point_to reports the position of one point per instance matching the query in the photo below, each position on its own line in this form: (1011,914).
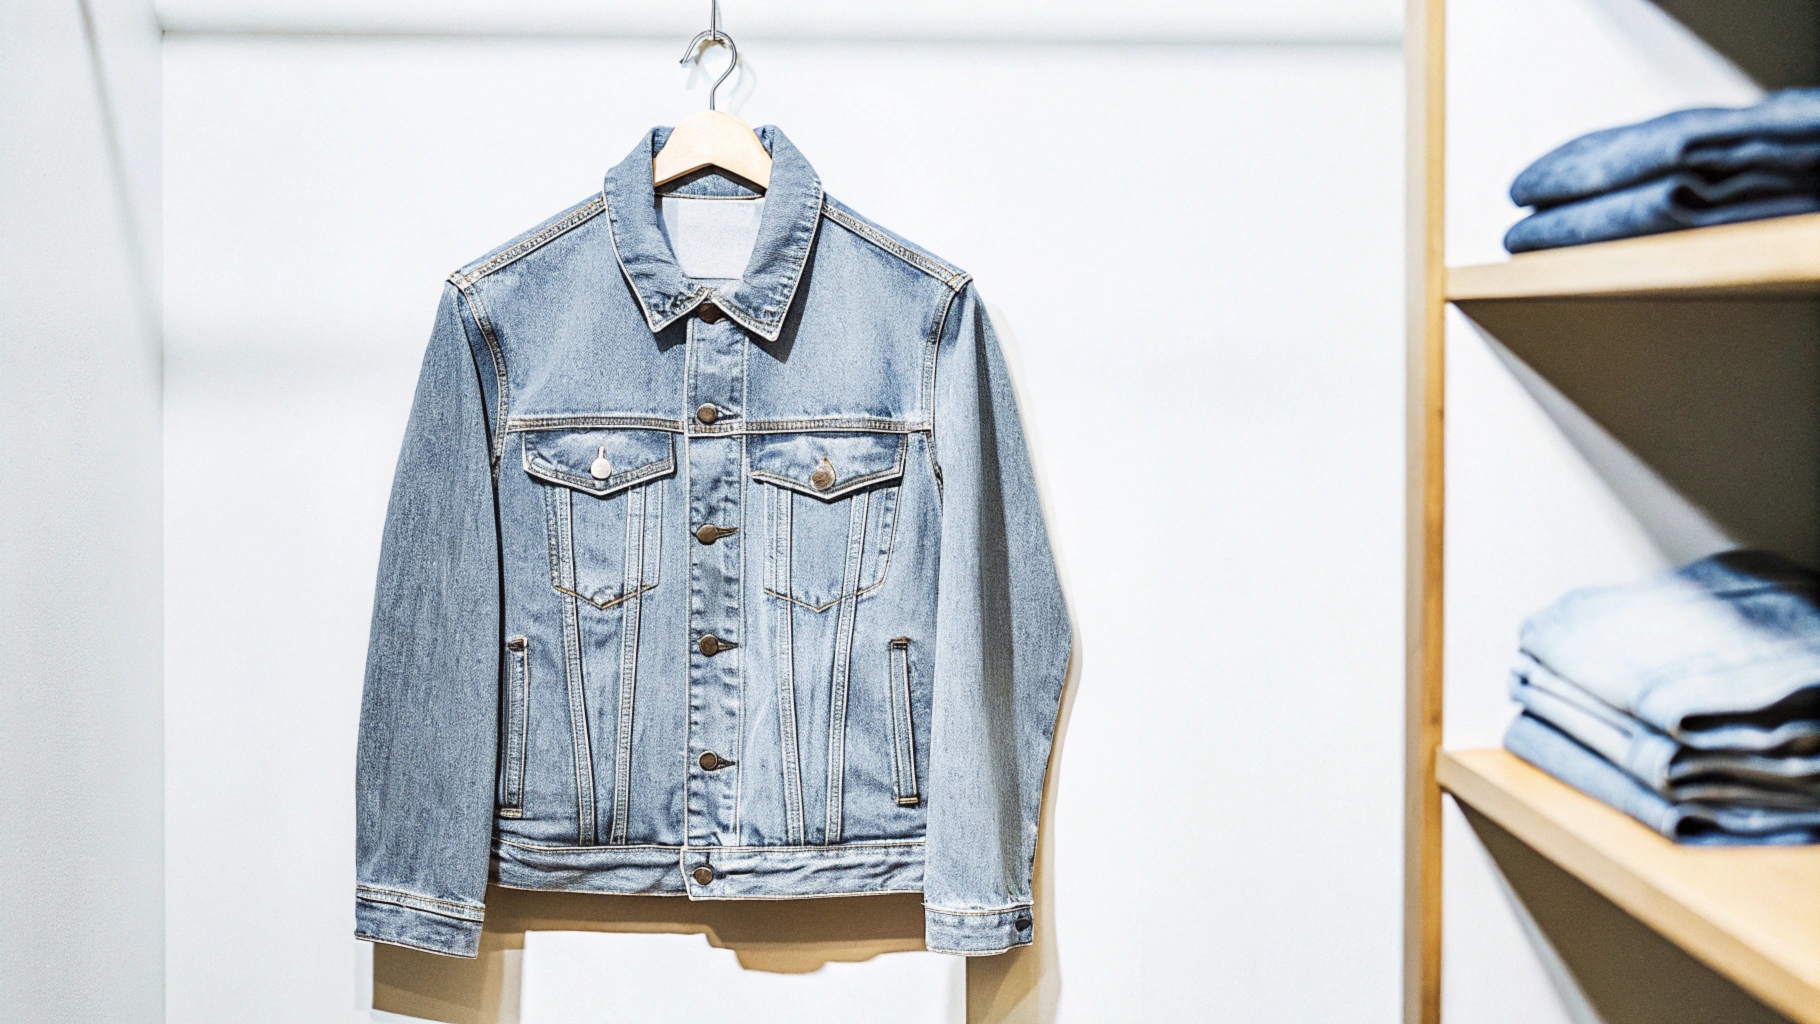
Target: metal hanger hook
(711,37)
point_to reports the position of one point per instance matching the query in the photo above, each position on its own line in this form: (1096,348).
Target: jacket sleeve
(425,774)
(1002,649)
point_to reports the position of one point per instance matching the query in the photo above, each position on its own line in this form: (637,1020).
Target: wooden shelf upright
(1750,913)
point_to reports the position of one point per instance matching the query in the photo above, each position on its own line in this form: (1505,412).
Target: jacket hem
(733,872)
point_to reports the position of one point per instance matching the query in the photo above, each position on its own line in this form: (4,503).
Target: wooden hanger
(712,138)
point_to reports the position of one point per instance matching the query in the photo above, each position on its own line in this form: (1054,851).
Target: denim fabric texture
(1691,822)
(1691,168)
(1673,203)
(1780,133)
(1722,654)
(1653,758)
(1699,689)
(731,589)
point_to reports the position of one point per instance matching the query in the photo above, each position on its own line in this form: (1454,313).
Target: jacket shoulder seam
(578,216)
(502,386)
(954,278)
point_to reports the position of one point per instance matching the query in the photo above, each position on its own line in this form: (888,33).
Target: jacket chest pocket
(830,505)
(603,508)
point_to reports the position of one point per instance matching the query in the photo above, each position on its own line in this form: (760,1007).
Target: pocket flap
(599,462)
(828,466)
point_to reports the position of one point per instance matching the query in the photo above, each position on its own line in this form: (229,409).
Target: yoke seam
(584,213)
(954,278)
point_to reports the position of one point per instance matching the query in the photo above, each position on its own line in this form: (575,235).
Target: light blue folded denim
(1723,654)
(1653,758)
(1674,203)
(1782,131)
(1692,822)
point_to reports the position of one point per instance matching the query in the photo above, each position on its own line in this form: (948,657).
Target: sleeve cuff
(417,922)
(977,932)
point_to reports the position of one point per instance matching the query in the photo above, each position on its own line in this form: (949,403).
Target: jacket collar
(786,231)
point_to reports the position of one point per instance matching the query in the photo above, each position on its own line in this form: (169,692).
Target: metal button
(823,477)
(711,645)
(1021,923)
(702,876)
(517,643)
(707,413)
(709,533)
(709,313)
(601,469)
(710,761)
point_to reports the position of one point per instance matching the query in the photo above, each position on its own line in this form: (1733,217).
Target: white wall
(1197,251)
(81,895)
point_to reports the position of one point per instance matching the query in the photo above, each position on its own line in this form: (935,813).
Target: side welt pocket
(903,725)
(514,726)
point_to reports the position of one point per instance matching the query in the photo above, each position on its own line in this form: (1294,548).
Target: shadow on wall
(1775,42)
(784,936)
(1022,986)
(1703,418)
(1700,415)
(1625,972)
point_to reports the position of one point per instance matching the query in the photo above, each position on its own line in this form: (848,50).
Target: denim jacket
(738,592)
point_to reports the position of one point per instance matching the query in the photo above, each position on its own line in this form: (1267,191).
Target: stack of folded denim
(1690,701)
(1691,168)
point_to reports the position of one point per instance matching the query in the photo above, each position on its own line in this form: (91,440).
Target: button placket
(715,491)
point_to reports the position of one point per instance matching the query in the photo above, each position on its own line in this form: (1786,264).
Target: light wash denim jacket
(738,593)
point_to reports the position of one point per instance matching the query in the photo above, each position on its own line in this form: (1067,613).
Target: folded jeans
(1673,203)
(1687,821)
(1723,654)
(1653,758)
(1782,131)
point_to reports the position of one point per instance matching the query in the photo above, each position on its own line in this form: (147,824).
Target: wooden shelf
(1750,913)
(1764,258)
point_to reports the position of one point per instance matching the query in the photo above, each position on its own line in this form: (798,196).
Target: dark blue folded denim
(1793,156)
(1692,822)
(1682,200)
(1781,132)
